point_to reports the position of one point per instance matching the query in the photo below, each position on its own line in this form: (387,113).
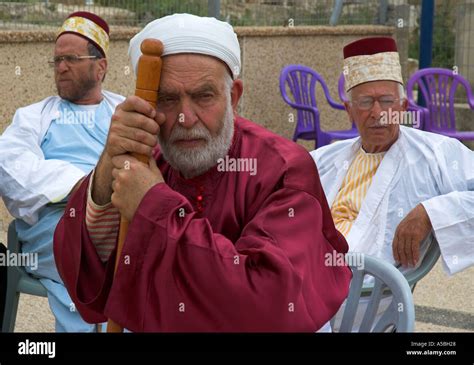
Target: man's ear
(405,104)
(348,108)
(236,92)
(102,63)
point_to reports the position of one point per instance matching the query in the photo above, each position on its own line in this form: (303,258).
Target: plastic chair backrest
(341,90)
(438,87)
(401,312)
(27,283)
(18,281)
(301,81)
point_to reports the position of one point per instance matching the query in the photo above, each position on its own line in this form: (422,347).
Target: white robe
(420,167)
(28,180)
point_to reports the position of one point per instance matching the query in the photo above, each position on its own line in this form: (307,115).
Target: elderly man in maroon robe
(229,227)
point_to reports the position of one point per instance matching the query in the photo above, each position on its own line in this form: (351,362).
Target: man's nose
(187,116)
(61,66)
(376,110)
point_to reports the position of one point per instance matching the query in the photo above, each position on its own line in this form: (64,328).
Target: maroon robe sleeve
(87,279)
(178,275)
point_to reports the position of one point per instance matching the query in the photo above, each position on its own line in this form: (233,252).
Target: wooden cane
(148,81)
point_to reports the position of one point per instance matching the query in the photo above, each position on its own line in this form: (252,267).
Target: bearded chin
(191,162)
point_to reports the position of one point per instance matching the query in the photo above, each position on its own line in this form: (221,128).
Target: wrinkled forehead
(195,59)
(189,68)
(70,43)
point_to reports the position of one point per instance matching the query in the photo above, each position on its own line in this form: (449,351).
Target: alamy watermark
(403,117)
(354,259)
(19,259)
(28,347)
(69,117)
(231,164)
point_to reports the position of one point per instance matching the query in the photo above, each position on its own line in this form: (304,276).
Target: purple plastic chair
(438,87)
(301,81)
(341,88)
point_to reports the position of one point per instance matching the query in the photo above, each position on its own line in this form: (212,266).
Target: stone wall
(266,50)
(25,76)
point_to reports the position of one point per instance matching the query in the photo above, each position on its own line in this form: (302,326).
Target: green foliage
(443,37)
(318,14)
(147,10)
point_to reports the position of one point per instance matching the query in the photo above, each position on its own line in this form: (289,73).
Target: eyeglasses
(69,59)
(367,103)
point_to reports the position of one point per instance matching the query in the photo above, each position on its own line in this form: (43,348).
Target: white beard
(191,162)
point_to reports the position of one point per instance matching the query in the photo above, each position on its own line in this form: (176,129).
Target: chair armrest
(415,107)
(335,105)
(308,108)
(424,113)
(431,257)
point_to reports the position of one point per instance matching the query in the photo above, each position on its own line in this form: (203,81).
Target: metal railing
(24,14)
(453,22)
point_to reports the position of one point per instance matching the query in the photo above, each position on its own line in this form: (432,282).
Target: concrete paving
(445,304)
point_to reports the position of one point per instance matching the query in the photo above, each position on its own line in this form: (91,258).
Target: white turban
(186,33)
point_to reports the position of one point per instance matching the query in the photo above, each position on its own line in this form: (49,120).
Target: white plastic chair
(429,261)
(400,314)
(19,281)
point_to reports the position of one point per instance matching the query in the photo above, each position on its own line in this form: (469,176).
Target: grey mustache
(179,133)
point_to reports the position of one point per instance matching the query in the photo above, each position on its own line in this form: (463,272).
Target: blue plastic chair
(301,81)
(18,281)
(386,277)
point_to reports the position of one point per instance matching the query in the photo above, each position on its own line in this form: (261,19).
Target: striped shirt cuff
(102,223)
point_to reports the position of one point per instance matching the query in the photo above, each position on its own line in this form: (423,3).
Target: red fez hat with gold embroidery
(89,26)
(371,59)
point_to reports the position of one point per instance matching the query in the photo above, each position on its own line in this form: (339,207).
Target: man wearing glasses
(51,145)
(394,186)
